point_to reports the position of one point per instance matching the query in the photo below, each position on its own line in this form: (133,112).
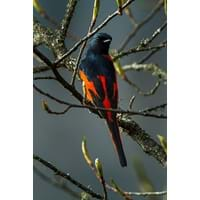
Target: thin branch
(155,108)
(141,24)
(143,93)
(140,49)
(58,113)
(109,18)
(132,99)
(50,96)
(67,177)
(161,193)
(40,69)
(53,182)
(131,17)
(147,41)
(149,55)
(154,69)
(44,78)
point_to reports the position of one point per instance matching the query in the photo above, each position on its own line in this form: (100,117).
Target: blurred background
(58,138)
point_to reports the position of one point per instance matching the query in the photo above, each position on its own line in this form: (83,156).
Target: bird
(100,88)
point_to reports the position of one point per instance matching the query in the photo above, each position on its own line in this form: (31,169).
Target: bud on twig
(95,10)
(86,153)
(45,106)
(163,142)
(99,168)
(38,7)
(119,4)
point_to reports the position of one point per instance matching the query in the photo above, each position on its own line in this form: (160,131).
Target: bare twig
(120,190)
(141,24)
(147,41)
(143,93)
(155,108)
(67,177)
(130,15)
(132,99)
(146,57)
(161,193)
(140,48)
(44,78)
(154,69)
(55,183)
(50,96)
(40,69)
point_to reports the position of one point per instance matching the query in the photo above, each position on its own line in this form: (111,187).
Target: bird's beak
(106,41)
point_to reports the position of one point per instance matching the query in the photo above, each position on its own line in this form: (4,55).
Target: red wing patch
(88,87)
(106,101)
(115,91)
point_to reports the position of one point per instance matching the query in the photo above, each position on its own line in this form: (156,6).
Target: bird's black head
(100,43)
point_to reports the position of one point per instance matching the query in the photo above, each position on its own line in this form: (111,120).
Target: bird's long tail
(114,130)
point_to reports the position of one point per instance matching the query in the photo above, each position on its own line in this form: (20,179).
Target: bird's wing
(100,86)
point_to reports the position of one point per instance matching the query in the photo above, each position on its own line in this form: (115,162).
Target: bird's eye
(107,40)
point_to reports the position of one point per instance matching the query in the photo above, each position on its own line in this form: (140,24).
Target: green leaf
(45,106)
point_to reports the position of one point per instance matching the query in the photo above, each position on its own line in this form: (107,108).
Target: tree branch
(140,49)
(154,69)
(61,186)
(62,30)
(147,144)
(146,57)
(67,177)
